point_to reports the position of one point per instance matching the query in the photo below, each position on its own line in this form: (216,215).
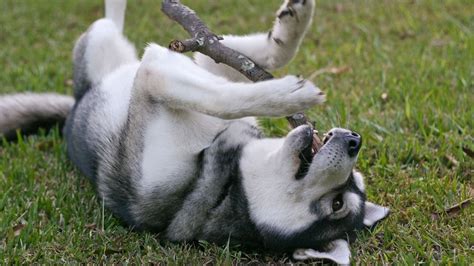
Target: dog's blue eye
(337,203)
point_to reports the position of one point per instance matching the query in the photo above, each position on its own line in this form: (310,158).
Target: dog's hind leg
(269,50)
(101,49)
(176,81)
(115,11)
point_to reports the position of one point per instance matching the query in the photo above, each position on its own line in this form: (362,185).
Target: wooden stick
(208,43)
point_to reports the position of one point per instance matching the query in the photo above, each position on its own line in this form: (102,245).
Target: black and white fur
(171,146)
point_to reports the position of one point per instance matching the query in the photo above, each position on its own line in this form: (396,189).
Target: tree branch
(208,43)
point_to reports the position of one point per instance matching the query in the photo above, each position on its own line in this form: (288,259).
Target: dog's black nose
(354,142)
(350,140)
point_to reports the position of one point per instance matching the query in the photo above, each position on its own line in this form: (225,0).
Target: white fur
(359,180)
(268,179)
(116,88)
(352,201)
(374,213)
(171,144)
(115,11)
(338,252)
(106,50)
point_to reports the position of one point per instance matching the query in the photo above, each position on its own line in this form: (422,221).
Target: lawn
(403,78)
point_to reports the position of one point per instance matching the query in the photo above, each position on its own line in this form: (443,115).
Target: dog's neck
(227,204)
(217,208)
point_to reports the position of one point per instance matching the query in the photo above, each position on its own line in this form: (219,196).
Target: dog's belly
(172,144)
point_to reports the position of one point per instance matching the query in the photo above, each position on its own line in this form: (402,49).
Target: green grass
(420,54)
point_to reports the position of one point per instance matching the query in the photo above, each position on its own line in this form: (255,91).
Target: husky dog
(171,146)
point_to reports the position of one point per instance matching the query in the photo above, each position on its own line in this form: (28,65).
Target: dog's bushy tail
(28,112)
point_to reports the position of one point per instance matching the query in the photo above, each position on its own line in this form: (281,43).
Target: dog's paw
(294,94)
(296,10)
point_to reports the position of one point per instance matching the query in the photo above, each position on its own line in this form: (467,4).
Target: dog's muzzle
(348,141)
(351,140)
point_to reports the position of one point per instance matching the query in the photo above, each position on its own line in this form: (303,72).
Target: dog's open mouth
(308,153)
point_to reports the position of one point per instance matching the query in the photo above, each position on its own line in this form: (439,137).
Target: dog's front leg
(176,81)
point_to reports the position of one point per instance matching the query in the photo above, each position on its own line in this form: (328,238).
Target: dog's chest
(172,143)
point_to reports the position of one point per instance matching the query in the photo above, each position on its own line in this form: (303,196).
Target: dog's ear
(338,251)
(374,213)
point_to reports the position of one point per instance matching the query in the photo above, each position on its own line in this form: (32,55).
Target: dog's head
(299,198)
